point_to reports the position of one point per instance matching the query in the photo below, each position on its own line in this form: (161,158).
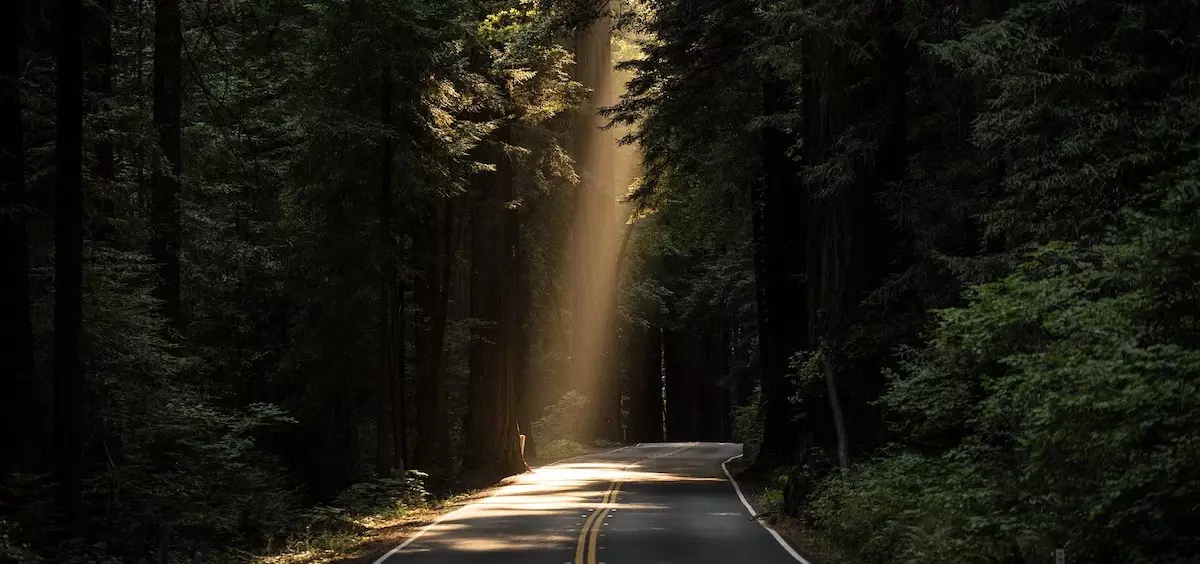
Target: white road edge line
(435,522)
(750,508)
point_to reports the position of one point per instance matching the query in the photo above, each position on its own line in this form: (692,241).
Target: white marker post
(1060,556)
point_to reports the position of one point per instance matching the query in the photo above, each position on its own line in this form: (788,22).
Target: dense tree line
(934,263)
(258,255)
(949,249)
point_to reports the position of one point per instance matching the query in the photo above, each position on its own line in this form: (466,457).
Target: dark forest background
(272,265)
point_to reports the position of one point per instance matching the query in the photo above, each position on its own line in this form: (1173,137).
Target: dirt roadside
(383,535)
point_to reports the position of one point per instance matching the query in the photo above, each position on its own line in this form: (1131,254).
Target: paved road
(661,503)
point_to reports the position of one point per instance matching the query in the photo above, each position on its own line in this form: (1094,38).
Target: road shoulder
(384,534)
(794,531)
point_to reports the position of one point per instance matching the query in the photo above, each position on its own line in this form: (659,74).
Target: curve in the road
(673,508)
(738,490)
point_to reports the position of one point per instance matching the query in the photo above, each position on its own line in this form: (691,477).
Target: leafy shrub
(559,449)
(562,420)
(1058,408)
(12,550)
(212,486)
(384,495)
(769,501)
(748,425)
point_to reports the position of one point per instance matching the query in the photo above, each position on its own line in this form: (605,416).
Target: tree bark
(835,406)
(164,199)
(644,353)
(99,86)
(593,148)
(68,260)
(682,375)
(653,380)
(385,454)
(850,247)
(19,398)
(778,261)
(492,444)
(431,290)
(399,323)
(518,344)
(400,384)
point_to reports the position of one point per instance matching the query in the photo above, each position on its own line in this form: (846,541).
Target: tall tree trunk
(492,443)
(99,86)
(682,379)
(164,200)
(835,407)
(777,200)
(652,384)
(518,344)
(850,247)
(18,389)
(400,384)
(715,390)
(399,324)
(385,454)
(426,254)
(68,259)
(436,246)
(594,229)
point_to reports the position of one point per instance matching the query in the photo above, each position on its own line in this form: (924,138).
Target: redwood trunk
(436,247)
(645,386)
(68,260)
(492,445)
(164,199)
(778,257)
(99,85)
(18,388)
(592,370)
(385,454)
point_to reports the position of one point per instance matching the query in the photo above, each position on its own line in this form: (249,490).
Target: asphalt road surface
(660,503)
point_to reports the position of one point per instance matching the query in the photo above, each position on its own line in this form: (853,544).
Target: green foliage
(1043,300)
(11,550)
(769,501)
(384,496)
(211,437)
(558,449)
(562,420)
(748,425)
(1059,405)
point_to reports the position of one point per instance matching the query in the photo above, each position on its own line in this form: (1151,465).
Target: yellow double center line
(590,532)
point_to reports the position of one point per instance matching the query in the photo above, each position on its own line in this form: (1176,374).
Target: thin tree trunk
(835,406)
(399,388)
(164,200)
(18,390)
(519,341)
(399,323)
(68,260)
(385,454)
